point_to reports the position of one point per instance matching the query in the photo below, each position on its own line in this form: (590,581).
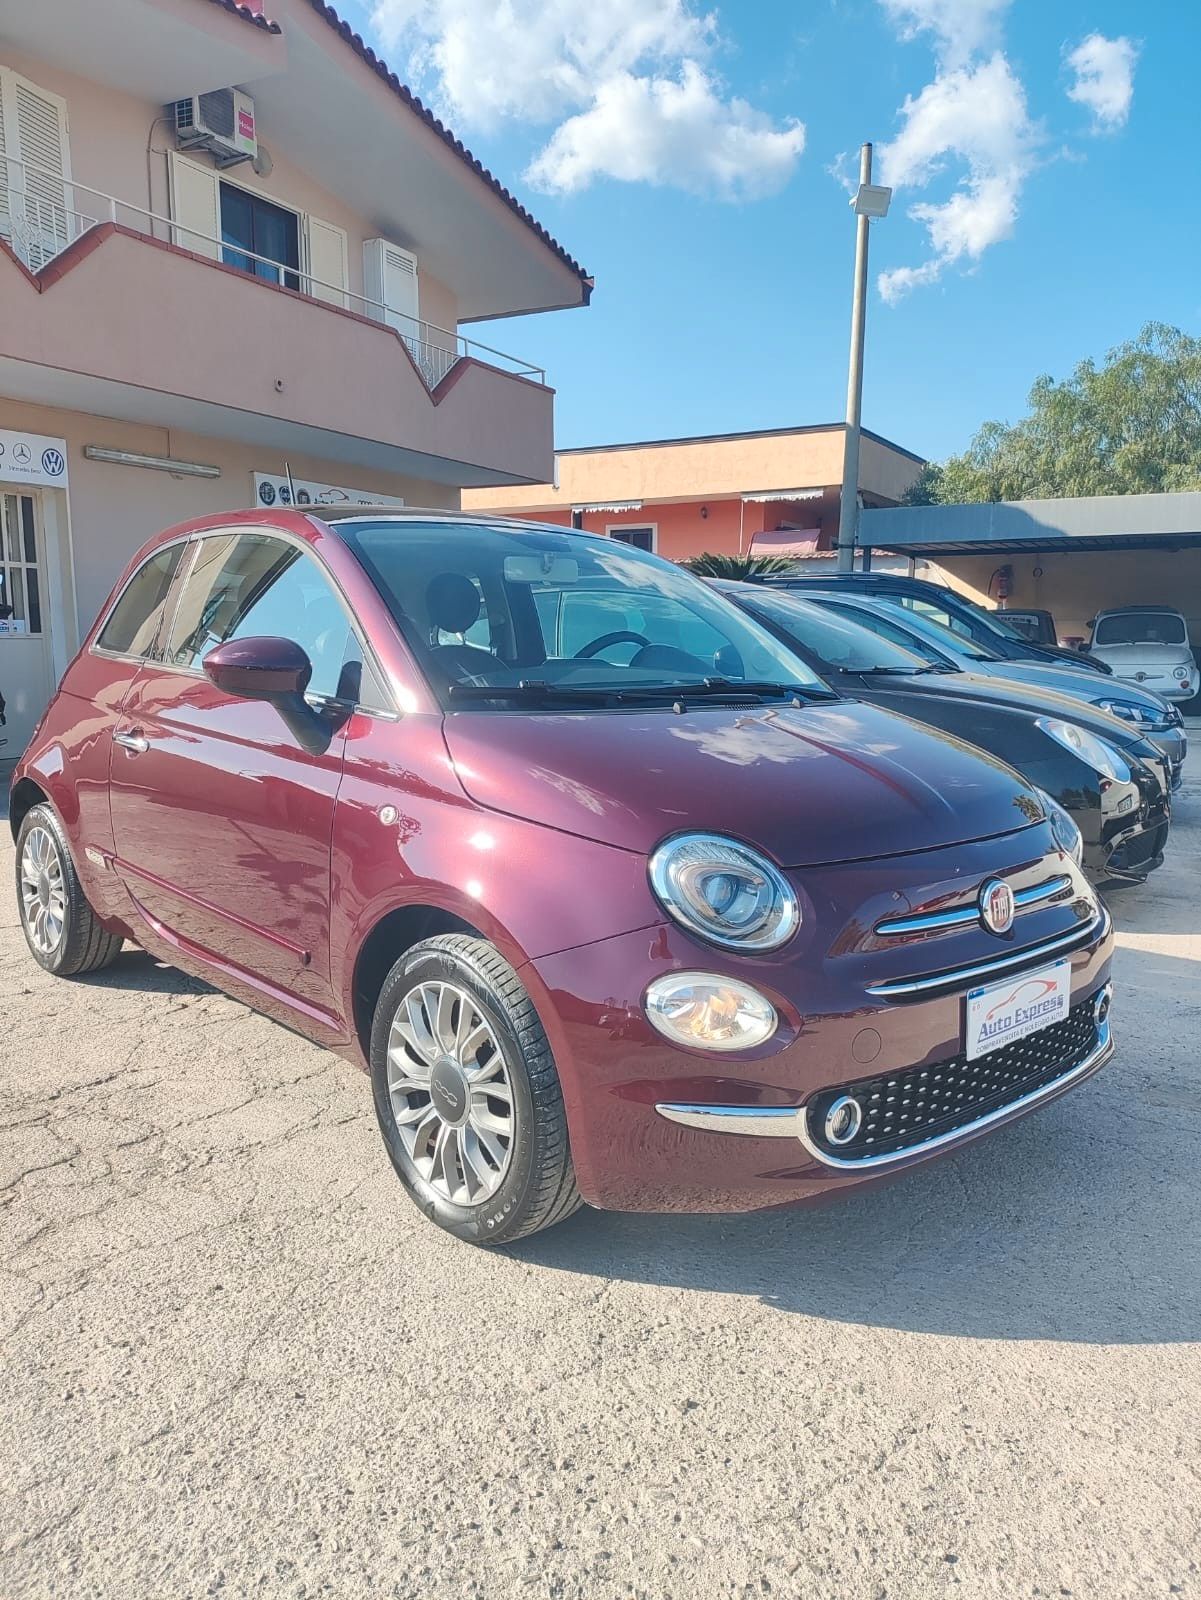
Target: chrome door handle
(136,742)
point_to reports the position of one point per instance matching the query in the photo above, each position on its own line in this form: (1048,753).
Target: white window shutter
(390,283)
(328,261)
(195,207)
(36,210)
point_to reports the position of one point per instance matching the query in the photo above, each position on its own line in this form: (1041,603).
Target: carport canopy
(1091,522)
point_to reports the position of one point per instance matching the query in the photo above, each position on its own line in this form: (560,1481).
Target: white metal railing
(40,217)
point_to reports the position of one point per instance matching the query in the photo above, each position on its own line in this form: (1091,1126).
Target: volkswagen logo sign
(996,906)
(53,464)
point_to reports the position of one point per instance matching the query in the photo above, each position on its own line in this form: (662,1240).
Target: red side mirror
(259,669)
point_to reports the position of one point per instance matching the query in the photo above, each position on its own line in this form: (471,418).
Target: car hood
(1145,657)
(837,781)
(1085,687)
(1039,702)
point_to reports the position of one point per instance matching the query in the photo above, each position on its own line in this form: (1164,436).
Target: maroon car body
(200,828)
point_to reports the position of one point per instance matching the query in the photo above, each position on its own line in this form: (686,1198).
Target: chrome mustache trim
(964,916)
(902,988)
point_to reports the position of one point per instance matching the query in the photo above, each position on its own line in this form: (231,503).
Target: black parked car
(957,612)
(1109,778)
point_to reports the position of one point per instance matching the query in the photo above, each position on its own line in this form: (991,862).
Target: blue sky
(722,252)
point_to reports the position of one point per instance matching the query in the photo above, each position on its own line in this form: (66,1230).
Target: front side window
(134,621)
(251,585)
(558,615)
(1141,627)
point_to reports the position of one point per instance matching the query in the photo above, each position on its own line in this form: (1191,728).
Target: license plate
(1002,1013)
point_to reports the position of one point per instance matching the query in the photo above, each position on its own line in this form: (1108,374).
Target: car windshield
(503,616)
(899,629)
(831,638)
(1141,627)
(942,637)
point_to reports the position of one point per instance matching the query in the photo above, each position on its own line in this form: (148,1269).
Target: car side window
(134,621)
(924,608)
(246,585)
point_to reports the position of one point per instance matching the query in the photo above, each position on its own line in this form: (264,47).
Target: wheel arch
(393,933)
(24,796)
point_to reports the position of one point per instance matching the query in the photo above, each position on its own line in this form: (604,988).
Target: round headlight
(707,1012)
(1094,752)
(1063,826)
(725,891)
(1182,673)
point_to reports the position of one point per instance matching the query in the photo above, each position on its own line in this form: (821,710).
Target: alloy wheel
(450,1092)
(43,892)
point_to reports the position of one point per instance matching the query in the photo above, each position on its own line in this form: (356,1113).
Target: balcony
(126,316)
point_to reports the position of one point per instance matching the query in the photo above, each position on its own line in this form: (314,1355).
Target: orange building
(771,492)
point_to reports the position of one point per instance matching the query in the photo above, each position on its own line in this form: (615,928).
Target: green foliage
(1130,426)
(710,565)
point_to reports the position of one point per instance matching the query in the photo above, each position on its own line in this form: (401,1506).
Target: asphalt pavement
(234,1361)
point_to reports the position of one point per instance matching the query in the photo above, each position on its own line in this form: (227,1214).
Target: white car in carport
(1148,645)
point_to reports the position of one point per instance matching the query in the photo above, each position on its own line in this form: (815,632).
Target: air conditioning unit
(221,122)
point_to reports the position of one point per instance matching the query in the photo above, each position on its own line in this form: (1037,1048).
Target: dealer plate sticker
(1002,1013)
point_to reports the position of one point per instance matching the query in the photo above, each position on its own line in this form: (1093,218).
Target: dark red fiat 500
(615,899)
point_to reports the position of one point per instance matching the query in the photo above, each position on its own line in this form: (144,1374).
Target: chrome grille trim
(1023,900)
(769,1122)
(953,977)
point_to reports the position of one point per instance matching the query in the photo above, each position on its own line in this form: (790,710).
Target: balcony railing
(41,214)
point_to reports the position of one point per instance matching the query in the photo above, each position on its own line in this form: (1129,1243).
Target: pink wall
(682,532)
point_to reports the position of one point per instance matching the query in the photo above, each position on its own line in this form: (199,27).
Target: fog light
(706,1012)
(1101,1003)
(843,1120)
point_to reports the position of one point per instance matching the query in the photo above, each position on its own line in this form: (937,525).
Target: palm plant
(739,568)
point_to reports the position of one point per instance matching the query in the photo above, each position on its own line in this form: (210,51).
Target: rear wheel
(62,931)
(467,1095)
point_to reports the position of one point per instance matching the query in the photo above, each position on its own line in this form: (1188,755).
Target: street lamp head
(871,200)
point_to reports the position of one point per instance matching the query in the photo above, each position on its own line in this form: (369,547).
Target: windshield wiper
(537,689)
(936,666)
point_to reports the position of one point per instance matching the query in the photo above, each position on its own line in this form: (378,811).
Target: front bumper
(650,1122)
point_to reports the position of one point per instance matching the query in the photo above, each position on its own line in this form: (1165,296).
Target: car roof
(1117,611)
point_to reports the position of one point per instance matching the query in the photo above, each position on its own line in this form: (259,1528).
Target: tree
(710,565)
(1130,426)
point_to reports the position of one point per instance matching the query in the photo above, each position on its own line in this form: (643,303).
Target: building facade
(771,492)
(236,259)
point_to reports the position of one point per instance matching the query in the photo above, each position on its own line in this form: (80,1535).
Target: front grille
(923,1103)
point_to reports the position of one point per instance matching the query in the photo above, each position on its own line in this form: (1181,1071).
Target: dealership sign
(272,490)
(33,459)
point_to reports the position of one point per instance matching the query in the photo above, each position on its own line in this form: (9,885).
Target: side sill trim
(783,1122)
(901,988)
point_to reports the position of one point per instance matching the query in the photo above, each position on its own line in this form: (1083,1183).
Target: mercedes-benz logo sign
(996,906)
(22,454)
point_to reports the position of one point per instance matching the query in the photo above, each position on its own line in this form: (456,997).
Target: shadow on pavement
(1080,1223)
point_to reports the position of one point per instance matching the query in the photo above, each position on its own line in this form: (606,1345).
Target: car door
(221,821)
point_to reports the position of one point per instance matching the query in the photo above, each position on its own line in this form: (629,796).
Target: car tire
(63,933)
(467,1095)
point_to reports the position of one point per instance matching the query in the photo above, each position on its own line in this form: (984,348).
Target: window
(546,597)
(642,538)
(832,639)
(134,621)
(1141,627)
(251,224)
(252,585)
(20,581)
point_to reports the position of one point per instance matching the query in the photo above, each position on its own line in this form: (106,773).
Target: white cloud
(962,28)
(975,115)
(1104,82)
(628,83)
(670,130)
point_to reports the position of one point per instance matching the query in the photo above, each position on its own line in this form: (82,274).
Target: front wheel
(467,1095)
(62,931)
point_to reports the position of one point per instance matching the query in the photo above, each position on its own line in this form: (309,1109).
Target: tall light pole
(870,202)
